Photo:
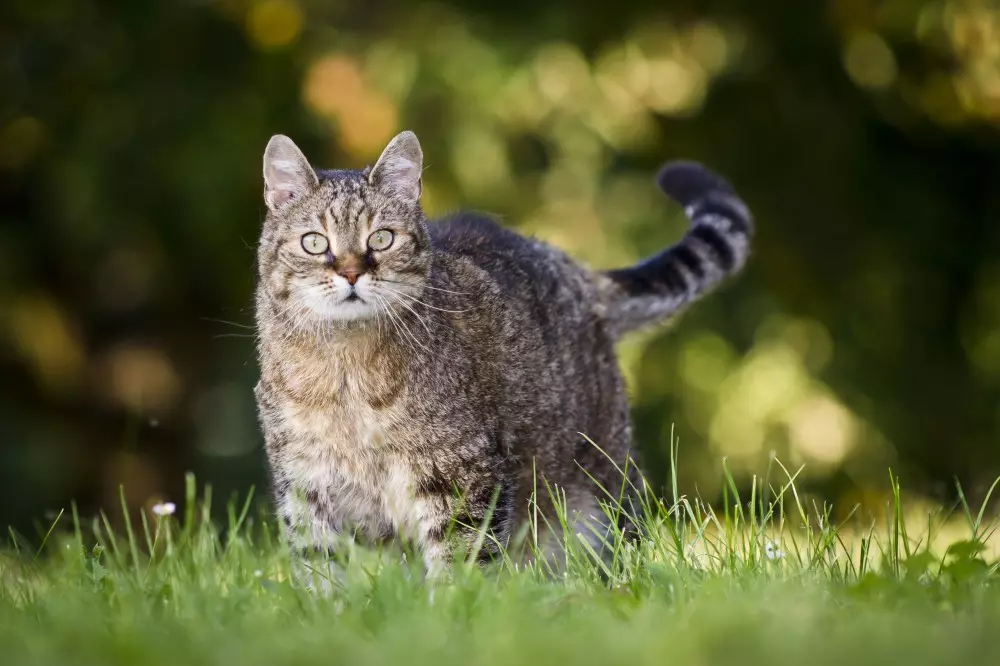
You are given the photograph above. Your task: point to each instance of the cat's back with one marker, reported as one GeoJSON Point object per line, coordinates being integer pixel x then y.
{"type": "Point", "coordinates": [531, 307]}
{"type": "Point", "coordinates": [523, 268]}
{"type": "Point", "coordinates": [550, 338]}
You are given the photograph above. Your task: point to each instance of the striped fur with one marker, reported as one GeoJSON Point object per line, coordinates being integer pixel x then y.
{"type": "Point", "coordinates": [714, 248]}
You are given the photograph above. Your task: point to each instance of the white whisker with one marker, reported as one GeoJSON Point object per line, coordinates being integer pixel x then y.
{"type": "Point", "coordinates": [427, 305]}
{"type": "Point", "coordinates": [407, 306]}
{"type": "Point", "coordinates": [229, 323]}
{"type": "Point", "coordinates": [426, 286]}
{"type": "Point", "coordinates": [402, 330]}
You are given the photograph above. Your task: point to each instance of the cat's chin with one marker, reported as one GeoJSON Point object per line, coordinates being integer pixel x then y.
{"type": "Point", "coordinates": [350, 310]}
{"type": "Point", "coordinates": [345, 311]}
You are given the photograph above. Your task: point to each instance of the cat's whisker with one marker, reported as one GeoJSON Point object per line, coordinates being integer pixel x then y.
{"type": "Point", "coordinates": [403, 331]}
{"type": "Point", "coordinates": [388, 315]}
{"type": "Point", "coordinates": [296, 317]}
{"type": "Point", "coordinates": [406, 329]}
{"type": "Point", "coordinates": [407, 306]}
{"type": "Point", "coordinates": [234, 335]}
{"type": "Point", "coordinates": [378, 317]}
{"type": "Point", "coordinates": [397, 299]}
{"type": "Point", "coordinates": [427, 305]}
{"type": "Point", "coordinates": [426, 286]}
{"type": "Point", "coordinates": [411, 336]}
{"type": "Point", "coordinates": [384, 311]}
{"type": "Point", "coordinates": [228, 323]}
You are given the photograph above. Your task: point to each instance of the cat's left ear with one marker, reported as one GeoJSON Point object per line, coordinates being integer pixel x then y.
{"type": "Point", "coordinates": [398, 169]}
{"type": "Point", "coordinates": [287, 174]}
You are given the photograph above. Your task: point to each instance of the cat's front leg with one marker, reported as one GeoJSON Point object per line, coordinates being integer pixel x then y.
{"type": "Point", "coordinates": [474, 524]}
{"type": "Point", "coordinates": [313, 538]}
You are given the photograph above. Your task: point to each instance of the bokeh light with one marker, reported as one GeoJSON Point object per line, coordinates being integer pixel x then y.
{"type": "Point", "coordinates": [866, 332]}
{"type": "Point", "coordinates": [273, 24]}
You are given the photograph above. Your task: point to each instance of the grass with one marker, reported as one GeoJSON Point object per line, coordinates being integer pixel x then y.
{"type": "Point", "coordinates": [766, 579]}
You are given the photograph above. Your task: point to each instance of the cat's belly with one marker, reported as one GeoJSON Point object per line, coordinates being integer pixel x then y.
{"type": "Point", "coordinates": [346, 471]}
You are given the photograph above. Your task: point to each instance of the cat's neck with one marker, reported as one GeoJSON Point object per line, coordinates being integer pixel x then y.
{"type": "Point", "coordinates": [323, 365]}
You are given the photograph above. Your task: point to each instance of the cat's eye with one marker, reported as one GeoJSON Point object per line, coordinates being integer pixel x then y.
{"type": "Point", "coordinates": [315, 243]}
{"type": "Point", "coordinates": [381, 239]}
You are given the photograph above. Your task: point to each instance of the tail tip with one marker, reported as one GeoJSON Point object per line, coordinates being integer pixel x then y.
{"type": "Point", "coordinates": [687, 182]}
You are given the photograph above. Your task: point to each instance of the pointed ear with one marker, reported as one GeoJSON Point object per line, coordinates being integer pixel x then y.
{"type": "Point", "coordinates": [287, 174]}
{"type": "Point", "coordinates": [398, 169]}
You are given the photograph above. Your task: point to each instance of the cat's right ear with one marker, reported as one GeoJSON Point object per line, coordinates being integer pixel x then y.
{"type": "Point", "coordinates": [287, 174]}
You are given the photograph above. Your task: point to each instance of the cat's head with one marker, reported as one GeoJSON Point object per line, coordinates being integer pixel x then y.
{"type": "Point", "coordinates": [343, 246]}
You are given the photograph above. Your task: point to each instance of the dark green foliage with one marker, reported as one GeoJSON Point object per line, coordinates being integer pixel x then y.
{"type": "Point", "coordinates": [130, 199]}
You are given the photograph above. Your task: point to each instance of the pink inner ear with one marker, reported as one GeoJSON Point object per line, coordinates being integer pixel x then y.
{"type": "Point", "coordinates": [276, 198]}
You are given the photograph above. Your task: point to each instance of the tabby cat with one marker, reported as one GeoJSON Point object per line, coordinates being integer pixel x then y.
{"type": "Point", "coordinates": [423, 379]}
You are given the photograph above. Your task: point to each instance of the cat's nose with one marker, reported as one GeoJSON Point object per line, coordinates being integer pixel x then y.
{"type": "Point", "coordinates": [350, 273]}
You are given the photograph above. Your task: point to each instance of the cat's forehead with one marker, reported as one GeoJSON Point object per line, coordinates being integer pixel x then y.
{"type": "Point", "coordinates": [337, 193]}
{"type": "Point", "coordinates": [341, 186]}
{"type": "Point", "coordinates": [344, 203]}
{"type": "Point", "coordinates": [346, 200]}
{"type": "Point", "coordinates": [343, 180]}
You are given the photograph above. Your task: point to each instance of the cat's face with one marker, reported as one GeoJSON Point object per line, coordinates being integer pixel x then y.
{"type": "Point", "coordinates": [344, 246]}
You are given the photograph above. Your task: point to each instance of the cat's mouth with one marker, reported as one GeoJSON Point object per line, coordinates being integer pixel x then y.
{"type": "Point", "coordinates": [340, 304]}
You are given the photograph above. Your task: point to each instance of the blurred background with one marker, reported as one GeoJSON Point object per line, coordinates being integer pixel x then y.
{"type": "Point", "coordinates": [865, 136]}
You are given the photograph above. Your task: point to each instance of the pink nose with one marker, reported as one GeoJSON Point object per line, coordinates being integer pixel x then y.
{"type": "Point", "coordinates": [350, 274]}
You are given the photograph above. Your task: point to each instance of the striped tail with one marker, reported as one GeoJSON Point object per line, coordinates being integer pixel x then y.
{"type": "Point", "coordinates": [715, 247]}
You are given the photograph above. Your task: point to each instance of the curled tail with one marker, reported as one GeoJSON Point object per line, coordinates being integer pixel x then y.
{"type": "Point", "coordinates": [715, 247]}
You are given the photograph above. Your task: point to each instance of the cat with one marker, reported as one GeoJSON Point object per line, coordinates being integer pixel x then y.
{"type": "Point", "coordinates": [437, 381]}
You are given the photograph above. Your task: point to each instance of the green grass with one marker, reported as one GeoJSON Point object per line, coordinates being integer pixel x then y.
{"type": "Point", "coordinates": [767, 579]}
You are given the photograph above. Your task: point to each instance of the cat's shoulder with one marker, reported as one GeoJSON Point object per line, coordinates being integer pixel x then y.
{"type": "Point", "coordinates": [470, 231]}
{"type": "Point", "coordinates": [482, 238]}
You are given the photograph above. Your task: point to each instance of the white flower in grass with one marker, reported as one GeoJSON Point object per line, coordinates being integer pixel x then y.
{"type": "Point", "coordinates": [164, 509]}
{"type": "Point", "coordinates": [772, 551]}
{"type": "Point", "coordinates": [693, 557]}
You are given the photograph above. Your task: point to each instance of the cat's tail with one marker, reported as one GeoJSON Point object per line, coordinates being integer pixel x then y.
{"type": "Point", "coordinates": [715, 246]}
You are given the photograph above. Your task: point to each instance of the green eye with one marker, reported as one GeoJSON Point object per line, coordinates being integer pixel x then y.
{"type": "Point", "coordinates": [315, 243]}
{"type": "Point", "coordinates": [381, 239]}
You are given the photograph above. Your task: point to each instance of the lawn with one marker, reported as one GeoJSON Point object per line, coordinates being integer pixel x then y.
{"type": "Point", "coordinates": [765, 579]}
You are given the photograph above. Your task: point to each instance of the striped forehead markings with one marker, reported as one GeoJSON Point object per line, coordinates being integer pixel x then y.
{"type": "Point", "coordinates": [362, 213]}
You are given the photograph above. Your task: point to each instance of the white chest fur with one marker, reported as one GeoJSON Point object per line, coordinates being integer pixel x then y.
{"type": "Point", "coordinates": [345, 471]}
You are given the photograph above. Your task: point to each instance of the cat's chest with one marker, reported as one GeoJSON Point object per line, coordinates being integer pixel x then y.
{"type": "Point", "coordinates": [347, 462]}
{"type": "Point", "coordinates": [348, 440]}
